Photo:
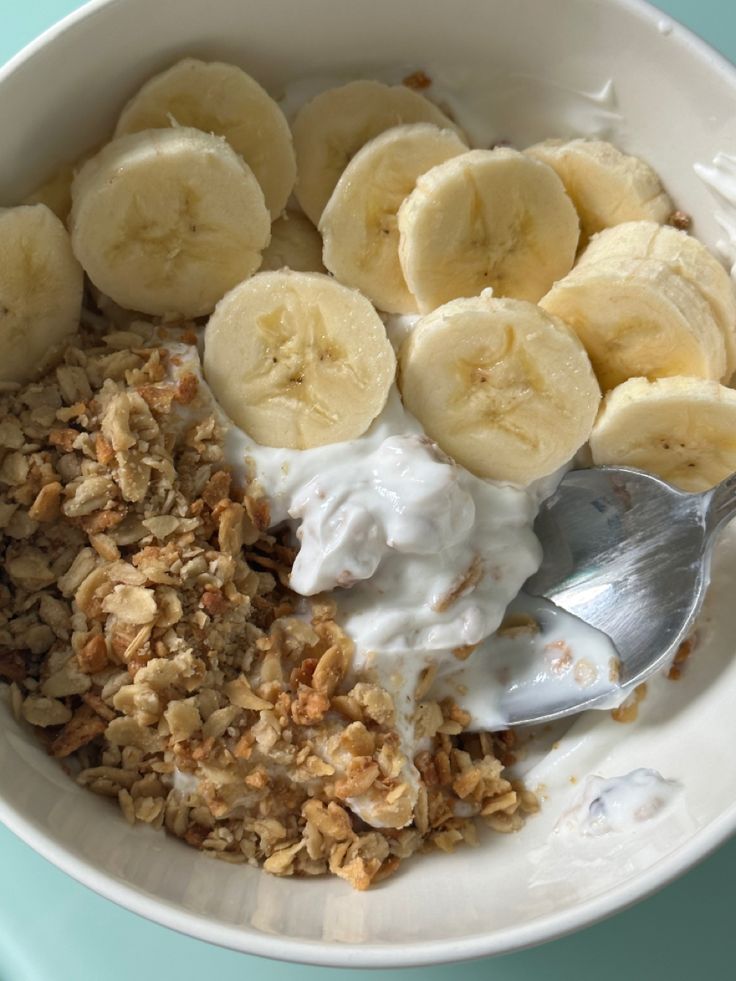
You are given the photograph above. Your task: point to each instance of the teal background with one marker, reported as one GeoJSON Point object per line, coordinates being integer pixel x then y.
{"type": "Point", "coordinates": [52, 929]}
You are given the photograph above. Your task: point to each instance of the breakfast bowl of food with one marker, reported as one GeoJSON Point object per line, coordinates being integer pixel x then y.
{"type": "Point", "coordinates": [306, 318]}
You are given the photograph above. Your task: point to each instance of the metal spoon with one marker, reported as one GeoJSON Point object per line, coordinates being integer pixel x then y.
{"type": "Point", "coordinates": [630, 555]}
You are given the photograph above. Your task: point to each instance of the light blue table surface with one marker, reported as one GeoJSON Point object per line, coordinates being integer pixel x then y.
{"type": "Point", "coordinates": [52, 929]}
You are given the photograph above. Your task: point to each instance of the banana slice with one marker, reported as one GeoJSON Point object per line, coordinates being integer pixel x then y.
{"type": "Point", "coordinates": [687, 256]}
{"type": "Point", "coordinates": [334, 125]}
{"type": "Point", "coordinates": [486, 218]}
{"type": "Point", "coordinates": [167, 221]}
{"type": "Point", "coordinates": [606, 186]}
{"type": "Point", "coordinates": [681, 429]}
{"type": "Point", "coordinates": [298, 360]}
{"type": "Point", "coordinates": [295, 244]}
{"type": "Point", "coordinates": [56, 192]}
{"type": "Point", "coordinates": [504, 388]}
{"type": "Point", "coordinates": [224, 100]}
{"type": "Point", "coordinates": [359, 224]}
{"type": "Point", "coordinates": [40, 290]}
{"type": "Point", "coordinates": [637, 317]}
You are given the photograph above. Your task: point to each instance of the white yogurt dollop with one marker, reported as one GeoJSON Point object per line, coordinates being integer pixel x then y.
{"type": "Point", "coordinates": [720, 176]}
{"type": "Point", "coordinates": [403, 497]}
{"type": "Point", "coordinates": [619, 804]}
{"type": "Point", "coordinates": [424, 556]}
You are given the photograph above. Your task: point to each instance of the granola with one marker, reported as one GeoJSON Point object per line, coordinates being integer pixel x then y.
{"type": "Point", "coordinates": [148, 634]}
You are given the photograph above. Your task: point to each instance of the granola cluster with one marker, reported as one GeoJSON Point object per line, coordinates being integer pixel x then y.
{"type": "Point", "coordinates": [148, 633]}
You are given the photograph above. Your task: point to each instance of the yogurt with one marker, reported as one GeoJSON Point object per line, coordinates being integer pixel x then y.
{"type": "Point", "coordinates": [720, 177]}
{"type": "Point", "coordinates": [619, 804]}
{"type": "Point", "coordinates": [488, 112]}
{"type": "Point", "coordinates": [425, 556]}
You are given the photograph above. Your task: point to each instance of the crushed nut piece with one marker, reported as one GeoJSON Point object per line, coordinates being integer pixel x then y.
{"type": "Point", "coordinates": [47, 505]}
{"type": "Point", "coordinates": [681, 220]}
{"type": "Point", "coordinates": [42, 711]}
{"type": "Point", "coordinates": [84, 726]}
{"type": "Point", "coordinates": [12, 666]}
{"type": "Point", "coordinates": [469, 580]}
{"type": "Point", "coordinates": [628, 711]}
{"type": "Point", "coordinates": [683, 653]}
{"type": "Point", "coordinates": [93, 656]}
{"type": "Point", "coordinates": [131, 604]}
{"type": "Point", "coordinates": [418, 80]}
{"type": "Point", "coordinates": [309, 706]}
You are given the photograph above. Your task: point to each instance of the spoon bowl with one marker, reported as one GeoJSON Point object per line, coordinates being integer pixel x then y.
{"type": "Point", "coordinates": [630, 555]}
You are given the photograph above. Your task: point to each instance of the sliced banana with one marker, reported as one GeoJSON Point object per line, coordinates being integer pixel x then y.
{"type": "Point", "coordinates": [167, 221]}
{"type": "Point", "coordinates": [606, 186]}
{"type": "Point", "coordinates": [224, 100]}
{"type": "Point", "coordinates": [295, 244]}
{"type": "Point", "coordinates": [334, 125]}
{"type": "Point", "coordinates": [681, 429]}
{"type": "Point", "coordinates": [637, 317]}
{"type": "Point", "coordinates": [56, 192]}
{"type": "Point", "coordinates": [359, 223]}
{"type": "Point", "coordinates": [501, 386]}
{"type": "Point", "coordinates": [685, 255]}
{"type": "Point", "coordinates": [40, 290]}
{"type": "Point", "coordinates": [486, 218]}
{"type": "Point", "coordinates": [298, 360]}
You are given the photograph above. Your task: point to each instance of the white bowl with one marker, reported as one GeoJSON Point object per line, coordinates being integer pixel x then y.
{"type": "Point", "coordinates": [675, 97]}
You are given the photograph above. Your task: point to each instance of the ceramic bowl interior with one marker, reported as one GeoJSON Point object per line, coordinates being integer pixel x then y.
{"type": "Point", "coordinates": [672, 101]}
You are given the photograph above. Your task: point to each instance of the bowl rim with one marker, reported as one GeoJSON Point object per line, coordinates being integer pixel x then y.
{"type": "Point", "coordinates": [413, 953]}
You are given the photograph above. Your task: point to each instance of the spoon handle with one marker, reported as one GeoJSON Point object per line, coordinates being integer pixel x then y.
{"type": "Point", "coordinates": [720, 505]}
